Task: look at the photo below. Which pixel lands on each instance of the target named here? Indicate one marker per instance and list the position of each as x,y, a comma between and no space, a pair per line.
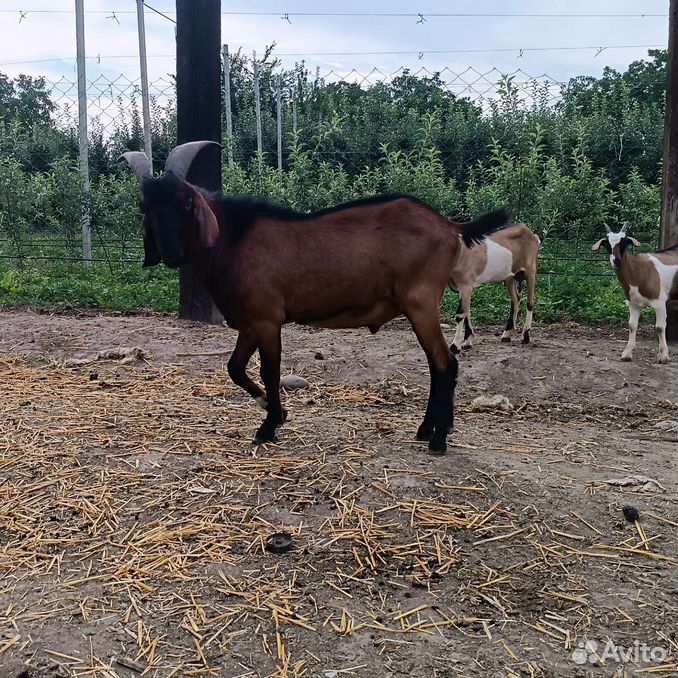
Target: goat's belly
499,264
374,316
637,299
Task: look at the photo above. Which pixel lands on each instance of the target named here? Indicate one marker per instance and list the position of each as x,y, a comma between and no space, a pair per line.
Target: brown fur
306,280
637,270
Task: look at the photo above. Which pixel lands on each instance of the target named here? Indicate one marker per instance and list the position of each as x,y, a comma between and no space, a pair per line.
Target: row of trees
593,156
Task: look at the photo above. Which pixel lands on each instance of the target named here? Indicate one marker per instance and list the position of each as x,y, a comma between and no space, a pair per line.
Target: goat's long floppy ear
151,252
181,158
139,163
208,226
633,241
598,244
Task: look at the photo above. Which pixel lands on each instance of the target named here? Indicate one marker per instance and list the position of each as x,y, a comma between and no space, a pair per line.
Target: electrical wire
420,53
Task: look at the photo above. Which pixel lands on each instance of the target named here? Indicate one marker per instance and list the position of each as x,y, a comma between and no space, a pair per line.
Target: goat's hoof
425,432
626,357
264,435
467,344
662,359
506,338
437,448
456,350
526,338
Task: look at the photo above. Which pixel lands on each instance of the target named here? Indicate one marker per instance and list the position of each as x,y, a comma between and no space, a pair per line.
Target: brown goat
509,256
357,264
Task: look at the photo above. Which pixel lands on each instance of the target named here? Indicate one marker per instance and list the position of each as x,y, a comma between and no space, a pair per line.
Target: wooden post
278,107
670,169
199,117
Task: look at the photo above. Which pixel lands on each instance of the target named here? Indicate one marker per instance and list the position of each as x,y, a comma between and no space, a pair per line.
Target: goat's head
616,244
174,211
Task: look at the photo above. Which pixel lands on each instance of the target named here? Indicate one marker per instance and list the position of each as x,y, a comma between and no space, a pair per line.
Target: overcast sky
48,39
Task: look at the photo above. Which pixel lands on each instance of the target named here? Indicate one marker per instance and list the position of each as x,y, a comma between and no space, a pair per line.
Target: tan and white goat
647,280
508,256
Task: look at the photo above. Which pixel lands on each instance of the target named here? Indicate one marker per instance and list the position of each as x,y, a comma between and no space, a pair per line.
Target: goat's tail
477,230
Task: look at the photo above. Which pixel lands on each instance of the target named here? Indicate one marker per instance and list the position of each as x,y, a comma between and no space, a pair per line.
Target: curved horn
180,159
607,228
139,163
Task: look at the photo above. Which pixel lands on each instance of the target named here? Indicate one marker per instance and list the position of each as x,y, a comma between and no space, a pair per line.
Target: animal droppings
280,542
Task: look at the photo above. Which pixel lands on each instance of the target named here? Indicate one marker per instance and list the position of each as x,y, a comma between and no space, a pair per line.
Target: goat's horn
180,159
607,228
139,163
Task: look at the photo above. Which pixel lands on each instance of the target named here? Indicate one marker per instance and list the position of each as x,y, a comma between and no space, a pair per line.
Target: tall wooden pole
199,117
670,170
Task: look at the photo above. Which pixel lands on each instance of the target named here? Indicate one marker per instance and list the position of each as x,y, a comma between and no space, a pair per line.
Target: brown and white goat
355,265
647,280
508,256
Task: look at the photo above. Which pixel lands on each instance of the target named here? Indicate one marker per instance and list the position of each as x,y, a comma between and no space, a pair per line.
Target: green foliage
74,286
564,169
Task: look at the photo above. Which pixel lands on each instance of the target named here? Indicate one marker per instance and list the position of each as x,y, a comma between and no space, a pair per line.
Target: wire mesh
327,122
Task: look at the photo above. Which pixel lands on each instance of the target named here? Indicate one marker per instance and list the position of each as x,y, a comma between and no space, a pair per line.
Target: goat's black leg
269,353
425,431
439,414
237,367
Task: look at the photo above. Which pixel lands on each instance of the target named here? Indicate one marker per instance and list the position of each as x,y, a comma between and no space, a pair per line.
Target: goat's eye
189,204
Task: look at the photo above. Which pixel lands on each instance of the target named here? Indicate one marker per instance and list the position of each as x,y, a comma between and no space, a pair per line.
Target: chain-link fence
565,157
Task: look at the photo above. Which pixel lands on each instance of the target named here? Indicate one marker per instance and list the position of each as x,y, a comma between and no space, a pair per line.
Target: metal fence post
145,99
257,107
82,131
278,103
227,101
294,112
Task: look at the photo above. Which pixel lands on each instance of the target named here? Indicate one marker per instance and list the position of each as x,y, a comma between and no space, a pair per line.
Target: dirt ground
134,510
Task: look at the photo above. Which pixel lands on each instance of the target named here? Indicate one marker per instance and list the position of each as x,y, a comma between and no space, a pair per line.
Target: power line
464,51
420,53
157,11
98,57
411,15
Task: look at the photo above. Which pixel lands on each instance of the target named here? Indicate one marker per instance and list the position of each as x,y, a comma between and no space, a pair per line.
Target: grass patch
559,298
120,287
127,287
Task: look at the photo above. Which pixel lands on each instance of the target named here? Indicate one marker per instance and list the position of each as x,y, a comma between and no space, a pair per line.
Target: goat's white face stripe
614,239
